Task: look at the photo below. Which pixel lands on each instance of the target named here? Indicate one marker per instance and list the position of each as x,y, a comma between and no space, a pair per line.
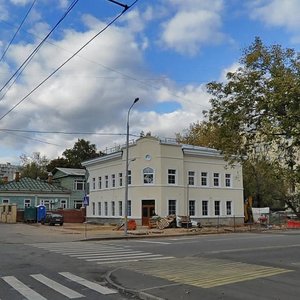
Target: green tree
81,151
34,166
59,162
258,109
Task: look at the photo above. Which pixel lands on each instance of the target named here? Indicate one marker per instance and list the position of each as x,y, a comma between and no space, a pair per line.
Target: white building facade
166,178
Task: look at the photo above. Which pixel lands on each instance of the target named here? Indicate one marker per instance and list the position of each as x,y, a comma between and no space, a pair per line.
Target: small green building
26,192
73,180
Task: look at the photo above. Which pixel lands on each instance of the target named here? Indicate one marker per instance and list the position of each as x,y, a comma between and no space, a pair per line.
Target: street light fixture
126,171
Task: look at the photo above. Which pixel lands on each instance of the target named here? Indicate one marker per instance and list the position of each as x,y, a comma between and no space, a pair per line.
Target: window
46,203
99,182
113,208
120,208
113,180
94,183
171,176
79,185
77,204
106,181
228,208
192,207
105,208
63,203
27,203
129,176
120,179
204,179
216,179
99,208
5,201
129,208
172,207
204,208
93,208
228,180
148,175
217,208
191,178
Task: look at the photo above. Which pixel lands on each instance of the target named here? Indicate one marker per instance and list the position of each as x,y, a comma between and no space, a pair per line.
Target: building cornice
104,158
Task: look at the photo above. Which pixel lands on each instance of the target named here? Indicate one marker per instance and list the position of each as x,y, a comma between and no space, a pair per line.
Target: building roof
29,184
70,171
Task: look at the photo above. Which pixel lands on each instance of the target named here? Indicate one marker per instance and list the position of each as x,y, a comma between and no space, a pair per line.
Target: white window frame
120,208
113,208
106,181
172,176
120,179
148,175
192,208
93,208
78,183
129,211
26,202
63,203
191,178
113,180
204,176
228,181
99,208
100,182
217,208
129,177
106,208
228,209
5,201
94,183
204,208
216,179
172,209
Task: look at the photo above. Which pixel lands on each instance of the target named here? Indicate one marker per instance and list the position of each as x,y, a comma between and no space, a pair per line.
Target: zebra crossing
100,253
28,292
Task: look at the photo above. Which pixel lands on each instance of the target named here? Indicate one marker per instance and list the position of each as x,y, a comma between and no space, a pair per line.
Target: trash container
30,214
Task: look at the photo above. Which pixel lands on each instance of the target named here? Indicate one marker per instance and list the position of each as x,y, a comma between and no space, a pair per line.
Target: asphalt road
226,266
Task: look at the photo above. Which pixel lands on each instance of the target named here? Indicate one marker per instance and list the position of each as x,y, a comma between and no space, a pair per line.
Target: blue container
41,212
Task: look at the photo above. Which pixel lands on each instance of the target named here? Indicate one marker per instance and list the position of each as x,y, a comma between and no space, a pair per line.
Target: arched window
148,174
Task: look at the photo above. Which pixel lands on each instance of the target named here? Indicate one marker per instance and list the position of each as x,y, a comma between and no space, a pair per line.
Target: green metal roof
29,184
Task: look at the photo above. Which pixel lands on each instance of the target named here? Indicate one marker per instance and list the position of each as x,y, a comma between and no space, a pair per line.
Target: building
27,192
166,178
8,171
74,181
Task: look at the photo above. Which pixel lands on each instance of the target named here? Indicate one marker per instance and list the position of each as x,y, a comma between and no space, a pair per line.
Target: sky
163,52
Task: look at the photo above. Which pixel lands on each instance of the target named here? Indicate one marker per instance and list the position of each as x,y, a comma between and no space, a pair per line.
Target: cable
18,29
33,53
66,61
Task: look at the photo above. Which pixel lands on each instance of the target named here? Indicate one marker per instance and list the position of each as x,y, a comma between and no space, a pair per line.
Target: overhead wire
23,66
17,31
66,61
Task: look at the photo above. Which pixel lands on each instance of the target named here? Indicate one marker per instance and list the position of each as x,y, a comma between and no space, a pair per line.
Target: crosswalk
100,253
20,288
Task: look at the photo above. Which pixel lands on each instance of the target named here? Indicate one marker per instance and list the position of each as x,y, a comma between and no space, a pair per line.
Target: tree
34,166
59,162
82,150
258,108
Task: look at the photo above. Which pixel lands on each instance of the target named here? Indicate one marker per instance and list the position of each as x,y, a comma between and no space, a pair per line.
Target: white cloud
281,13
194,24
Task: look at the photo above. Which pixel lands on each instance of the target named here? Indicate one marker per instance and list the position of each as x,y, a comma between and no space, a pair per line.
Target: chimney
50,177
17,176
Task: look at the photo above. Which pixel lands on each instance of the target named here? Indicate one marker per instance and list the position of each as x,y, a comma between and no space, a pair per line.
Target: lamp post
126,170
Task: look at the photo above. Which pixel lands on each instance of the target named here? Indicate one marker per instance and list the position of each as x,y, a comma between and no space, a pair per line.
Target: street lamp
126,170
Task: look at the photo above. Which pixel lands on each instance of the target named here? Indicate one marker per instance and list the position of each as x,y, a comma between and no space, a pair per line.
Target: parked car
53,218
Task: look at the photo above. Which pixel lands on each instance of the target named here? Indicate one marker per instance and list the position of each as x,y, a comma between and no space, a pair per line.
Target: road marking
57,286
204,272
89,255
253,249
91,285
134,260
23,289
154,242
126,256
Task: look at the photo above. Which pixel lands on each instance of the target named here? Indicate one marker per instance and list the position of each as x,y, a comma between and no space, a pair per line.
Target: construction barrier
293,224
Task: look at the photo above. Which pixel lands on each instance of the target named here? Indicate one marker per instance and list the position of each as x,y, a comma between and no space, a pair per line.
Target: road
225,266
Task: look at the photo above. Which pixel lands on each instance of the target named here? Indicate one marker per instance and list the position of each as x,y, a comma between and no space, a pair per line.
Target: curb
139,294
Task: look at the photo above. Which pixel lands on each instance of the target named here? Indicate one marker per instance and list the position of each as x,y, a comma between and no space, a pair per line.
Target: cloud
279,13
194,24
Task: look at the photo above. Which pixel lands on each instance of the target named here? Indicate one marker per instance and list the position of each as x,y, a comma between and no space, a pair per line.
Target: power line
66,61
18,29
22,67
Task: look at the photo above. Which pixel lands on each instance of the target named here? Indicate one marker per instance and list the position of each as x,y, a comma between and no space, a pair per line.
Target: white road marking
57,286
86,255
142,255
253,249
154,242
133,260
23,289
91,285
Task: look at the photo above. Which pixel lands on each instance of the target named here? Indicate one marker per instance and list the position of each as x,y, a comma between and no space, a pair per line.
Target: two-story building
166,178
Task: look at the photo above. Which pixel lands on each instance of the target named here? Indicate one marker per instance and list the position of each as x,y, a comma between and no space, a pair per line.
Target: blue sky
162,51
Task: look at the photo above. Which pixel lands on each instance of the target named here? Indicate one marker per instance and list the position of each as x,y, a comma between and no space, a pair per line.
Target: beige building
166,178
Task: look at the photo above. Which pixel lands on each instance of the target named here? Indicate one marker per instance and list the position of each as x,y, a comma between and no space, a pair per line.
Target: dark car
53,218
